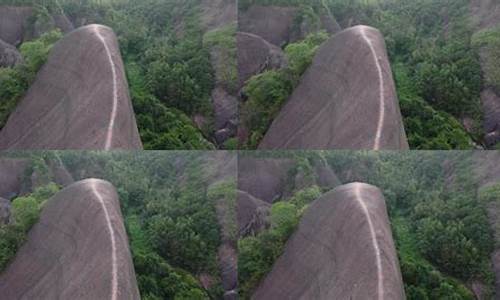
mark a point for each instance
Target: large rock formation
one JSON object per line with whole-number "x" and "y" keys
{"x": 256, "y": 55}
{"x": 79, "y": 100}
{"x": 12, "y": 174}
{"x": 343, "y": 249}
{"x": 14, "y": 23}
{"x": 78, "y": 249}
{"x": 9, "y": 56}
{"x": 345, "y": 100}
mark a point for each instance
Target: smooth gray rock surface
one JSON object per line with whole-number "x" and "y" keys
{"x": 345, "y": 100}
{"x": 78, "y": 250}
{"x": 343, "y": 249}
{"x": 79, "y": 100}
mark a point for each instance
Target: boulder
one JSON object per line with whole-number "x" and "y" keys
{"x": 12, "y": 175}
{"x": 225, "y": 108}
{"x": 14, "y": 23}
{"x": 252, "y": 214}
{"x": 343, "y": 249}
{"x": 5, "y": 211}
{"x": 345, "y": 100}
{"x": 272, "y": 23}
{"x": 267, "y": 179}
{"x": 78, "y": 250}
{"x": 79, "y": 99}
{"x": 9, "y": 56}
{"x": 256, "y": 55}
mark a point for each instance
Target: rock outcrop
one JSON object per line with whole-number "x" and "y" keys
{"x": 272, "y": 23}
{"x": 256, "y": 55}
{"x": 14, "y": 23}
{"x": 78, "y": 250}
{"x": 266, "y": 179}
{"x": 5, "y": 211}
{"x": 12, "y": 175}
{"x": 9, "y": 56}
{"x": 252, "y": 214}
{"x": 345, "y": 100}
{"x": 79, "y": 100}
{"x": 343, "y": 249}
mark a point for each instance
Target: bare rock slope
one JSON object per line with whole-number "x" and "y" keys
{"x": 79, "y": 100}
{"x": 78, "y": 249}
{"x": 345, "y": 100}
{"x": 343, "y": 249}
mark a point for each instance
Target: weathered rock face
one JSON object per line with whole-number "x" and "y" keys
{"x": 218, "y": 13}
{"x": 5, "y": 214}
{"x": 256, "y": 55}
{"x": 14, "y": 23}
{"x": 265, "y": 179}
{"x": 273, "y": 23}
{"x": 343, "y": 249}
{"x": 78, "y": 249}
{"x": 252, "y": 214}
{"x": 225, "y": 108}
{"x": 9, "y": 56}
{"x": 12, "y": 173}
{"x": 79, "y": 100}
{"x": 228, "y": 265}
{"x": 345, "y": 100}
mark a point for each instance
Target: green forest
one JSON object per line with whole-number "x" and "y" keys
{"x": 168, "y": 210}
{"x": 442, "y": 234}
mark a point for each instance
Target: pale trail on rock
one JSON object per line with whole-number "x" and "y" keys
{"x": 109, "y": 135}
{"x": 380, "y": 276}
{"x": 381, "y": 90}
{"x": 114, "y": 271}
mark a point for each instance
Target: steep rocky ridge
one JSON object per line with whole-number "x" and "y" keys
{"x": 78, "y": 249}
{"x": 345, "y": 100}
{"x": 343, "y": 249}
{"x": 79, "y": 100}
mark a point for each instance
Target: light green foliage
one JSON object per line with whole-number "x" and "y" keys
{"x": 303, "y": 198}
{"x": 266, "y": 94}
{"x": 222, "y": 42}
{"x": 300, "y": 54}
{"x": 14, "y": 82}
{"x": 256, "y": 254}
{"x": 488, "y": 41}
{"x": 25, "y": 211}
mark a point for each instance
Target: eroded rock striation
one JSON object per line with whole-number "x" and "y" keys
{"x": 78, "y": 250}
{"x": 79, "y": 100}
{"x": 343, "y": 249}
{"x": 252, "y": 214}
{"x": 345, "y": 100}
{"x": 5, "y": 211}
